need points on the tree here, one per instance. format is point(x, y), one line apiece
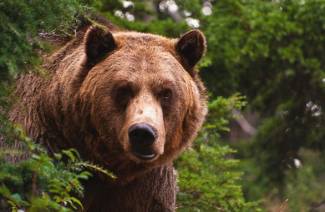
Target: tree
point(273, 53)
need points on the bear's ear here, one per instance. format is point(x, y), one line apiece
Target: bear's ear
point(98, 43)
point(191, 47)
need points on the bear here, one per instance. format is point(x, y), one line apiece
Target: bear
point(128, 101)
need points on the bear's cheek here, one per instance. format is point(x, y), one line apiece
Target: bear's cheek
point(173, 135)
point(174, 121)
point(106, 118)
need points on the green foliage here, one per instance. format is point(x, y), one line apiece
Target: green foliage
point(165, 27)
point(21, 21)
point(220, 112)
point(304, 188)
point(33, 180)
point(273, 53)
point(208, 179)
point(30, 178)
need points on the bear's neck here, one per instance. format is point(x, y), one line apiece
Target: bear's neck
point(153, 191)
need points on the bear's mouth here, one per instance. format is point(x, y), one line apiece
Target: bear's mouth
point(145, 157)
point(143, 153)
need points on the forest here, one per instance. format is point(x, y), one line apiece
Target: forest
point(262, 146)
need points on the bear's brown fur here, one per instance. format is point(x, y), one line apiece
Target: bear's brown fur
point(99, 85)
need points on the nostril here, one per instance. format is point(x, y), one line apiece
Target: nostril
point(142, 135)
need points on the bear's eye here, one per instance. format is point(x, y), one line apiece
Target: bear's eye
point(123, 95)
point(165, 95)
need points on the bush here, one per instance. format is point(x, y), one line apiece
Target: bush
point(31, 179)
point(209, 179)
point(21, 21)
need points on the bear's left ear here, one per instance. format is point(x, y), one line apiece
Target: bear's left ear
point(98, 43)
point(191, 47)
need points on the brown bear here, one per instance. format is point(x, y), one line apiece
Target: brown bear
point(128, 101)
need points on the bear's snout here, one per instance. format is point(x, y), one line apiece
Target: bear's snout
point(141, 138)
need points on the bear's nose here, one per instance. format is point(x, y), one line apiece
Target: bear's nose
point(141, 137)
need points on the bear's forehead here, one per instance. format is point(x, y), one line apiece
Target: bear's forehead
point(146, 60)
point(139, 53)
point(143, 51)
point(138, 39)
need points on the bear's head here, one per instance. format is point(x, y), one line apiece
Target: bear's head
point(138, 97)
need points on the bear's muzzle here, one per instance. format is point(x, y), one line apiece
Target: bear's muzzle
point(141, 138)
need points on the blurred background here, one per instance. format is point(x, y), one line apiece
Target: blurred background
point(262, 147)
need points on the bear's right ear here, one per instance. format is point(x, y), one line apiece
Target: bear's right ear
point(98, 43)
point(191, 46)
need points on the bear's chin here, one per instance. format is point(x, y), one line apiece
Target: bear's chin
point(129, 170)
